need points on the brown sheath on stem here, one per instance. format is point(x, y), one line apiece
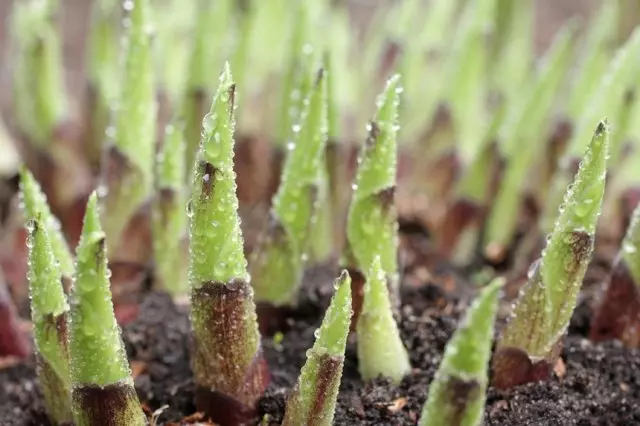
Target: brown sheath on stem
point(512, 367)
point(111, 405)
point(229, 379)
point(56, 392)
point(278, 156)
point(618, 314)
point(327, 381)
point(463, 214)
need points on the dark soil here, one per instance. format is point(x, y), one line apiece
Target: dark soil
point(600, 384)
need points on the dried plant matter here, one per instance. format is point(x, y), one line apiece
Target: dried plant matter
point(102, 387)
point(530, 343)
point(229, 369)
point(457, 393)
point(313, 399)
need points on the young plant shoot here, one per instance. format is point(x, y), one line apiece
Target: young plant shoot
point(49, 310)
point(380, 348)
point(530, 343)
point(618, 314)
point(34, 204)
point(278, 261)
point(211, 24)
point(458, 391)
point(313, 400)
point(101, 384)
point(128, 170)
point(229, 369)
point(169, 220)
point(372, 227)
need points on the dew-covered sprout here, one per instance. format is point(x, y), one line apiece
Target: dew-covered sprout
point(49, 310)
point(229, 369)
point(169, 218)
point(128, 167)
point(457, 393)
point(529, 344)
point(380, 348)
point(313, 399)
point(101, 382)
point(277, 263)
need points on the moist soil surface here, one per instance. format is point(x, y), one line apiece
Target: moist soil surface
point(594, 384)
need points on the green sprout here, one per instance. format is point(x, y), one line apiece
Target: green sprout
point(212, 18)
point(380, 348)
point(523, 143)
point(229, 369)
point(169, 220)
point(128, 171)
point(458, 391)
point(313, 399)
point(34, 204)
point(372, 227)
point(278, 261)
point(49, 310)
point(102, 386)
point(529, 345)
point(616, 316)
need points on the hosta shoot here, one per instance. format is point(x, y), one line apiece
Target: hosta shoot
point(278, 261)
point(49, 311)
point(102, 386)
point(169, 219)
point(229, 370)
point(529, 345)
point(128, 171)
point(380, 348)
point(372, 228)
point(457, 393)
point(313, 400)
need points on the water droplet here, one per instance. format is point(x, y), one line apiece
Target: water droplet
point(296, 128)
point(354, 186)
point(128, 5)
point(291, 146)
point(189, 209)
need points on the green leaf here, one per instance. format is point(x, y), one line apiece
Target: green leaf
point(380, 348)
point(457, 393)
point(314, 396)
point(216, 246)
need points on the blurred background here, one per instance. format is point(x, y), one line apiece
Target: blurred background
point(550, 14)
